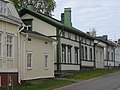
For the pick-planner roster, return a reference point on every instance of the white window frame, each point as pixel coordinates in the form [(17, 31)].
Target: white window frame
[(10, 43), (46, 61), (29, 52)]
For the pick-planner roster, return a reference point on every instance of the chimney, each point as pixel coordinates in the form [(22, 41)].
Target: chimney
[(66, 17), (118, 41), (105, 37)]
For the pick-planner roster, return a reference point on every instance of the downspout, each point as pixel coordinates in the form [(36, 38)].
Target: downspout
[(19, 54)]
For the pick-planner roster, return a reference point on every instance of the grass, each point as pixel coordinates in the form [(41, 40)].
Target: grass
[(84, 75), (48, 84)]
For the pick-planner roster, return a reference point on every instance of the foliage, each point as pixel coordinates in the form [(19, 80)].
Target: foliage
[(16, 3), (44, 6)]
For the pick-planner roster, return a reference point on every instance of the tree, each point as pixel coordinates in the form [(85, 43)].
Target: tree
[(16, 3), (44, 6)]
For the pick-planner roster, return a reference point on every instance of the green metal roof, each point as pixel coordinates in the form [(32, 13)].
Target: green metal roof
[(54, 22)]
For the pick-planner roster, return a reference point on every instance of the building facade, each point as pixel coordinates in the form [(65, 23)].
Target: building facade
[(74, 50), (109, 51), (99, 53), (117, 53), (37, 58), (9, 27)]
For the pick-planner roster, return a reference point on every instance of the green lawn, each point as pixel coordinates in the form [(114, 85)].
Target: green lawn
[(84, 75), (48, 84)]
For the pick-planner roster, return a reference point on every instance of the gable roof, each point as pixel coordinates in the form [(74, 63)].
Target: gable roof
[(106, 41), (54, 22)]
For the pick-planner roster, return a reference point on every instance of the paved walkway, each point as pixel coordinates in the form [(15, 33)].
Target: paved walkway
[(107, 82)]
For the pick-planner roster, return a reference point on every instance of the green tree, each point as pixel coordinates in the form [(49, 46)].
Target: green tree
[(16, 3), (44, 6)]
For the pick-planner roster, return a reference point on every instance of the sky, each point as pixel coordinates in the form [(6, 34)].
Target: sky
[(103, 15)]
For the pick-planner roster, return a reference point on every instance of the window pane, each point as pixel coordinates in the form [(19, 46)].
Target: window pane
[(82, 52), (9, 46), (63, 54), (76, 55), (46, 61), (69, 54), (85, 53), (29, 57), (90, 54)]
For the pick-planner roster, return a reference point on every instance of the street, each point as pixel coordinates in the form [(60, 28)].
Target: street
[(107, 82)]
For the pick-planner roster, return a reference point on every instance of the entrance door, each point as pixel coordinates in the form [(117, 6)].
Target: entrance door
[(99, 58)]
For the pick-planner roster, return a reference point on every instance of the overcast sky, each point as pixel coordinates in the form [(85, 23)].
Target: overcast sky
[(103, 15)]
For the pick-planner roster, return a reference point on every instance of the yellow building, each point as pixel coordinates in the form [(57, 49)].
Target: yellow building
[(9, 26)]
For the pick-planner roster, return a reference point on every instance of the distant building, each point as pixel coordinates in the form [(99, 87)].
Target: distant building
[(99, 53), (109, 51), (117, 54)]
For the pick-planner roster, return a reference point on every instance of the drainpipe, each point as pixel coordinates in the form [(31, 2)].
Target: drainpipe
[(19, 54)]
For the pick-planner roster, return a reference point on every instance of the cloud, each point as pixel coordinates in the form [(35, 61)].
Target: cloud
[(104, 15)]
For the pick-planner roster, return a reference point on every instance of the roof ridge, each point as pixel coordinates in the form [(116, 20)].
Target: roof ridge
[(54, 22)]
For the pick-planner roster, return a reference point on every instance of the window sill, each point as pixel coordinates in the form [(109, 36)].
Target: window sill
[(46, 68), (29, 68), (10, 59)]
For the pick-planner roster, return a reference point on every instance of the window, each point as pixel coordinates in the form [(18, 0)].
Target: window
[(82, 52), (112, 56), (28, 23), (85, 53), (46, 61), (108, 55), (63, 53), (69, 35), (76, 55), (3, 9), (90, 54), (29, 39), (76, 37), (29, 60), (101, 56), (0, 45), (9, 46), (63, 34), (69, 54)]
